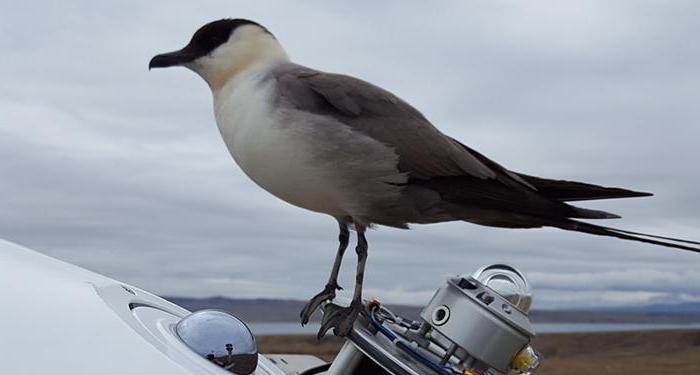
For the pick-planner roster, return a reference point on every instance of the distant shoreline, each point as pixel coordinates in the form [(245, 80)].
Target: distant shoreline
[(273, 310), (295, 328)]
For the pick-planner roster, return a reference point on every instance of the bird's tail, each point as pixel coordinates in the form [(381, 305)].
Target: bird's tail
[(578, 191), (600, 230)]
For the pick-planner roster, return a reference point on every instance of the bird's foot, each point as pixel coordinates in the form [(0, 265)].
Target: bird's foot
[(341, 319), (327, 294)]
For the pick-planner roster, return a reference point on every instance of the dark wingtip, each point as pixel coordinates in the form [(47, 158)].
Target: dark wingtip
[(585, 213), (624, 193)]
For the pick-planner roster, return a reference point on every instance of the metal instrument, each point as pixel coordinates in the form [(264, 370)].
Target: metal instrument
[(474, 324)]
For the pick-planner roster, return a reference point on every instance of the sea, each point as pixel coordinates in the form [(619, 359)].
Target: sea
[(294, 328)]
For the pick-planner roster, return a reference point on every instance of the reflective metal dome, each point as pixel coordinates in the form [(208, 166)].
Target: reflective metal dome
[(220, 338), (508, 282)]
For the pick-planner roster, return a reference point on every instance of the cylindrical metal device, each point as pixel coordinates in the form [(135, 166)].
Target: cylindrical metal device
[(484, 315)]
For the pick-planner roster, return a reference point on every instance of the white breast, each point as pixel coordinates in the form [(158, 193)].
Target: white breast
[(308, 160), (273, 154)]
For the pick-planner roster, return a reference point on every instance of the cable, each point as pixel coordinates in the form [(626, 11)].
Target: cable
[(397, 319), (403, 345)]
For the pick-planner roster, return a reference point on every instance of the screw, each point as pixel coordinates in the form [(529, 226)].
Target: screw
[(506, 309)]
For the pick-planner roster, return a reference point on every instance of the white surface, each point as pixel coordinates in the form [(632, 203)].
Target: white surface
[(56, 318), (295, 363)]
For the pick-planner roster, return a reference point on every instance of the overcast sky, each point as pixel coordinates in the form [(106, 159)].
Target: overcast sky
[(123, 171)]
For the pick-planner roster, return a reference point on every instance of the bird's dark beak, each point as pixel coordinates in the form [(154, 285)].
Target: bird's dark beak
[(171, 59)]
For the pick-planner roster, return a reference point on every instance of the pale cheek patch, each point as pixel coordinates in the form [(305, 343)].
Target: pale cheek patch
[(251, 47)]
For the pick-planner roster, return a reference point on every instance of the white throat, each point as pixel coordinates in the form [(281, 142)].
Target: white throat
[(249, 48)]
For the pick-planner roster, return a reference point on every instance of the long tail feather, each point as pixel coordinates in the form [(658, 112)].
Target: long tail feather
[(579, 226), (655, 236)]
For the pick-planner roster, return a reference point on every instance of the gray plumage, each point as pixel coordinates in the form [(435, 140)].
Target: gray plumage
[(443, 180)]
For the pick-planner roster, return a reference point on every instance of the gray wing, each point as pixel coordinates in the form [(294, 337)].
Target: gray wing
[(424, 152), (471, 186)]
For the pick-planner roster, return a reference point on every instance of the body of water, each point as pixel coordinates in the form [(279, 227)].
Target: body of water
[(294, 328)]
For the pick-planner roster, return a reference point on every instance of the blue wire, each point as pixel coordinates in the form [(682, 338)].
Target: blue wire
[(444, 370)]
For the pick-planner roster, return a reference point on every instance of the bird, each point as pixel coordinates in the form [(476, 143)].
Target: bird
[(340, 146)]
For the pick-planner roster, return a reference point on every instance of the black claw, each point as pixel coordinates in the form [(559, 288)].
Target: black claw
[(341, 319), (332, 286), (327, 294)]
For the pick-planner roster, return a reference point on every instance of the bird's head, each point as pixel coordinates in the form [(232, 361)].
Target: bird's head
[(222, 49)]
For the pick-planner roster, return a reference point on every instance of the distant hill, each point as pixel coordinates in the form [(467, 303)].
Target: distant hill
[(266, 310), (279, 310), (681, 308)]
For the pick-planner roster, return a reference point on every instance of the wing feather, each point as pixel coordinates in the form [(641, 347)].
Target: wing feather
[(424, 152), (465, 179)]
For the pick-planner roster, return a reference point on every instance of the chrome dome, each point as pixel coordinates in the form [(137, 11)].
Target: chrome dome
[(507, 281), (220, 338)]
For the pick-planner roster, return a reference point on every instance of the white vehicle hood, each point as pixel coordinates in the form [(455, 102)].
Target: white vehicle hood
[(57, 318)]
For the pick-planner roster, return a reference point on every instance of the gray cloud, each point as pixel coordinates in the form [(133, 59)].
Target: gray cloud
[(123, 171)]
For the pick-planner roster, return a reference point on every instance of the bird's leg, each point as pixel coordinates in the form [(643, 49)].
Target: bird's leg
[(328, 292), (341, 319)]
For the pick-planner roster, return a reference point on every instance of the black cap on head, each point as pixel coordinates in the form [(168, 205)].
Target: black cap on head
[(203, 42)]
